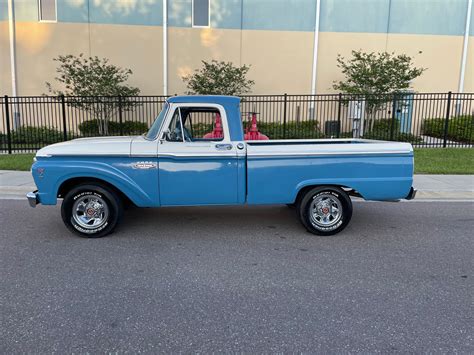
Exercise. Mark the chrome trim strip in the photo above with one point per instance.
(148, 155)
(104, 155)
(249, 154)
(287, 155)
(86, 155)
(201, 156)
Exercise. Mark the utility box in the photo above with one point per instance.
(356, 112)
(404, 111)
(332, 128)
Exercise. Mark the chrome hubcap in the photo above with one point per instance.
(90, 212)
(325, 210)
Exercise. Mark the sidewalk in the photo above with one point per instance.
(15, 184)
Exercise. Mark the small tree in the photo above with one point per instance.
(375, 75)
(219, 78)
(84, 77)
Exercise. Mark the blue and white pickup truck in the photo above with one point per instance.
(172, 166)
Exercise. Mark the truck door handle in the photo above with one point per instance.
(223, 146)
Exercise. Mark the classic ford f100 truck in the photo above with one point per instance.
(175, 164)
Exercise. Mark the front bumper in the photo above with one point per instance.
(411, 195)
(32, 198)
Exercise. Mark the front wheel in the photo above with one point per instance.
(325, 210)
(91, 211)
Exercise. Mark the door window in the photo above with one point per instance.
(196, 124)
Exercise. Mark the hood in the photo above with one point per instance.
(89, 146)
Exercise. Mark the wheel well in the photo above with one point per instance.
(350, 191)
(68, 185)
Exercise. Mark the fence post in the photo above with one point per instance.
(63, 112)
(339, 115)
(284, 115)
(394, 106)
(7, 117)
(120, 114)
(446, 123)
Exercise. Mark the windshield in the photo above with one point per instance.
(155, 127)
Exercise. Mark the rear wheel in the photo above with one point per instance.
(91, 211)
(325, 210)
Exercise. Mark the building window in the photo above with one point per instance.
(201, 13)
(47, 10)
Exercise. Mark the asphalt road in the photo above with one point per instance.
(400, 278)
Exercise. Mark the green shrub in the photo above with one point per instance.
(200, 129)
(386, 125)
(133, 127)
(397, 136)
(36, 135)
(460, 129)
(294, 130)
(382, 130)
(91, 128)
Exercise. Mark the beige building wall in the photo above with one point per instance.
(136, 47)
(281, 61)
(37, 44)
(469, 77)
(333, 43)
(440, 55)
(139, 48)
(5, 70)
(187, 47)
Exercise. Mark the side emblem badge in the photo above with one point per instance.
(145, 165)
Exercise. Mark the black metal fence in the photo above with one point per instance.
(426, 120)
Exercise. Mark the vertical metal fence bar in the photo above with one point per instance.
(284, 115)
(7, 119)
(63, 112)
(446, 123)
(120, 114)
(392, 126)
(339, 108)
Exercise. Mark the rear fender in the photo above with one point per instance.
(381, 189)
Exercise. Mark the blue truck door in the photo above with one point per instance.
(194, 170)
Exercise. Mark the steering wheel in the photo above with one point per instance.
(176, 136)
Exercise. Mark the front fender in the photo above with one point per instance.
(140, 186)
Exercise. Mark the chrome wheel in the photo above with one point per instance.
(90, 212)
(325, 210)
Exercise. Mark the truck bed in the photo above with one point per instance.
(377, 170)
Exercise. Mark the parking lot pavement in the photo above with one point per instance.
(399, 278)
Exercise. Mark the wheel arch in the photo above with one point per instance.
(304, 189)
(68, 184)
